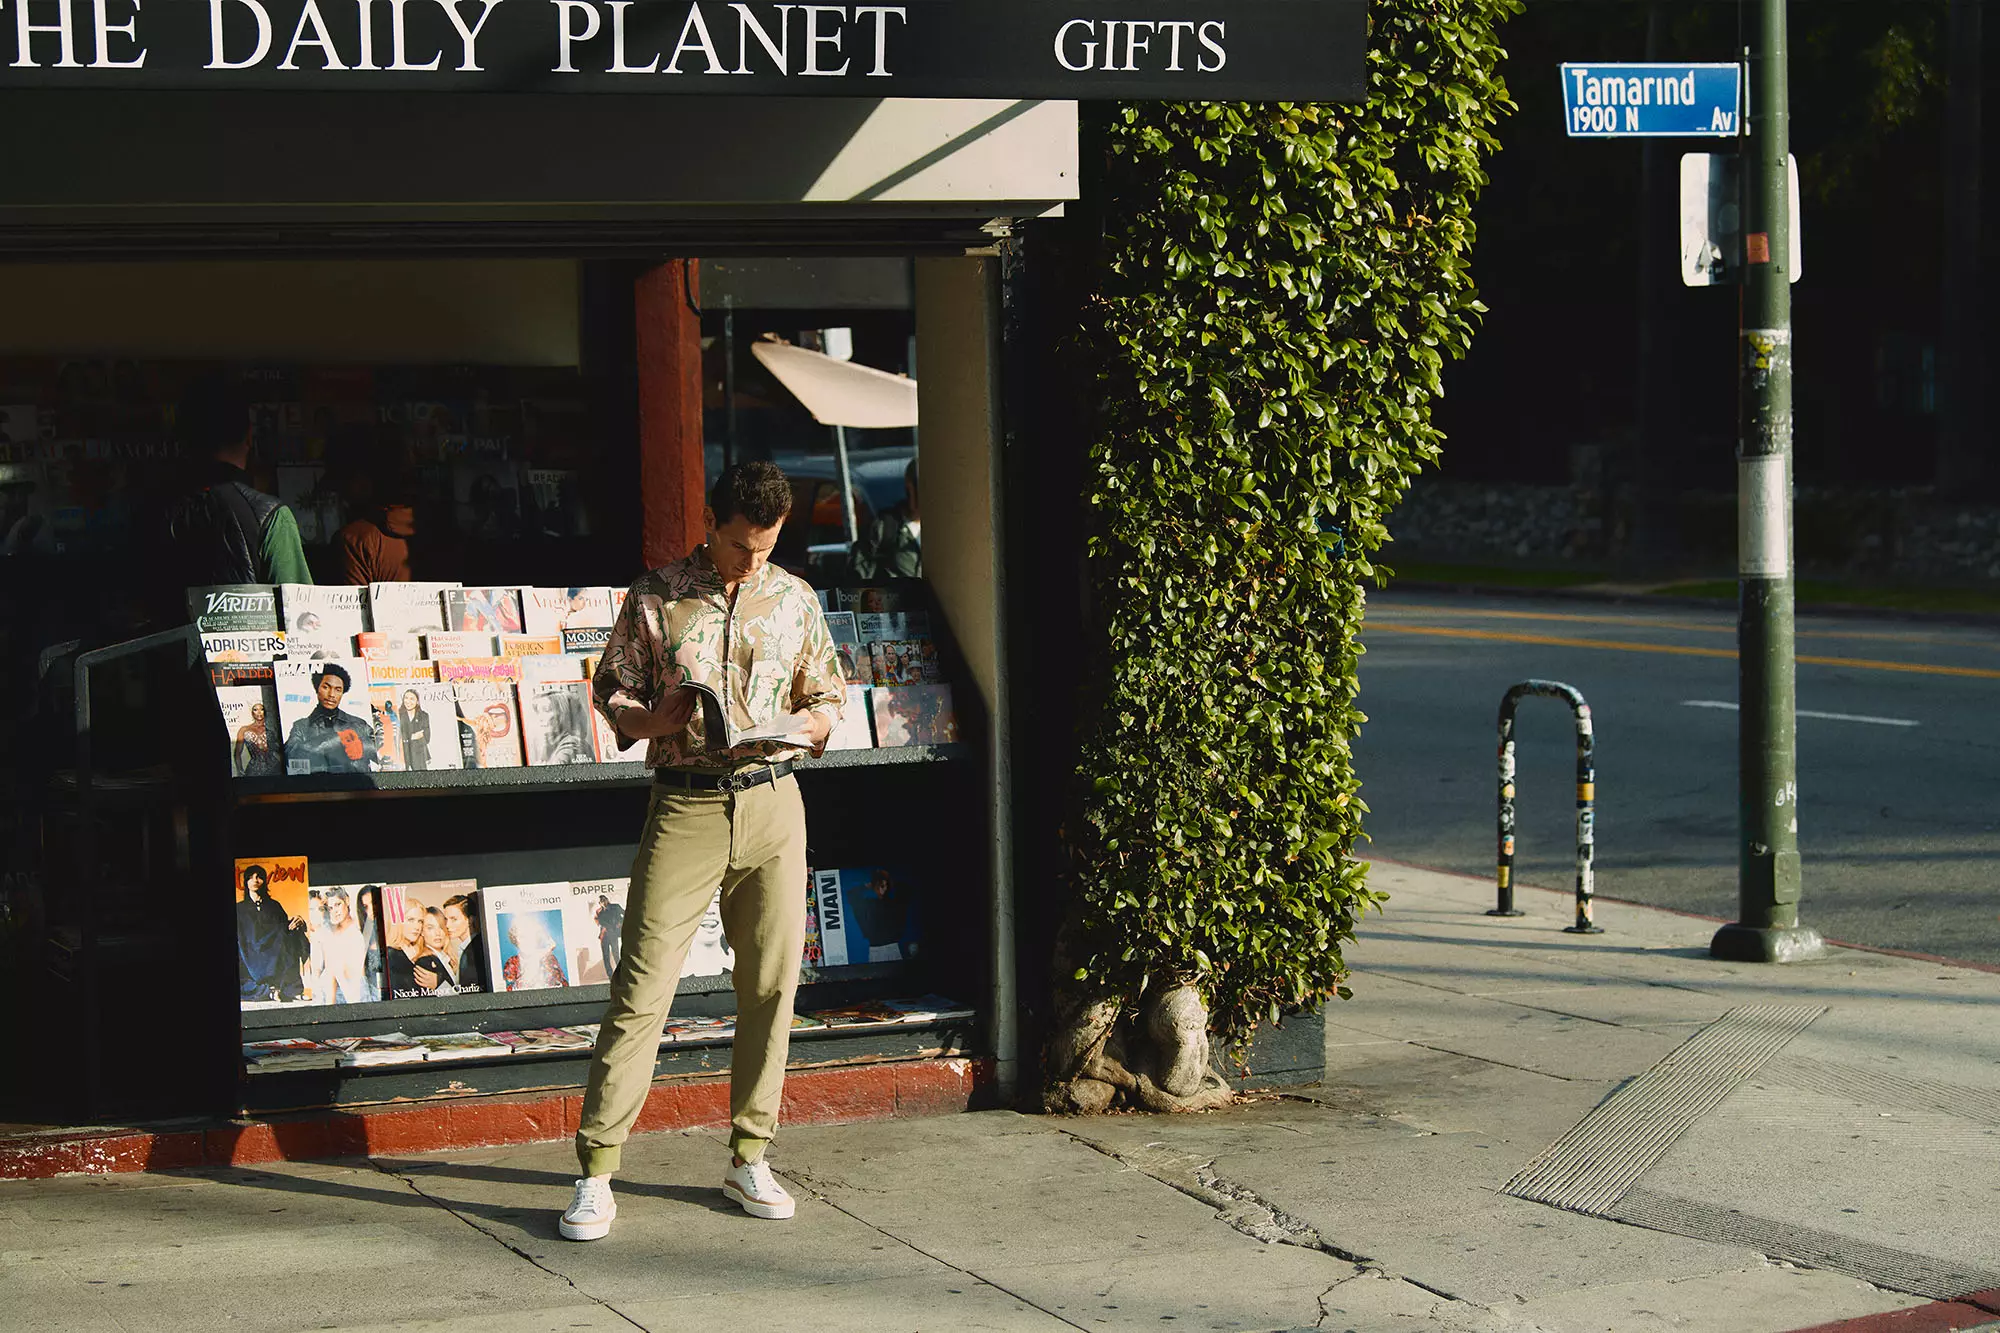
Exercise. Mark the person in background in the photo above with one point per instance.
(893, 546)
(217, 527)
(375, 547)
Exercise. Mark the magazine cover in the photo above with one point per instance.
(589, 641)
(452, 670)
(553, 610)
(854, 664)
(542, 1041)
(853, 731)
(873, 601)
(525, 936)
(815, 950)
(271, 948)
(458, 643)
(866, 915)
(693, 1029)
(904, 662)
(541, 668)
(427, 729)
(328, 724)
(530, 645)
(408, 608)
(709, 954)
(611, 747)
(325, 610)
(249, 645)
(483, 610)
(233, 606)
(260, 1057)
(344, 943)
(489, 724)
(461, 1046)
(874, 627)
(391, 1048)
(247, 694)
(555, 722)
(387, 682)
(432, 942)
(377, 646)
(912, 715)
(594, 923)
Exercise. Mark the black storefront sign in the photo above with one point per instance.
(1308, 50)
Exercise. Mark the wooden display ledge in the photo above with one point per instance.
(868, 1090)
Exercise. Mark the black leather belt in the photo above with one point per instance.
(689, 779)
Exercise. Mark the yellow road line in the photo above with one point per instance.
(1644, 622)
(1676, 649)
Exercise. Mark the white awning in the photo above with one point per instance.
(841, 393)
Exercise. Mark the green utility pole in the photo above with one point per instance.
(1767, 928)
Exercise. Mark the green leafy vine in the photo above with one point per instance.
(1279, 288)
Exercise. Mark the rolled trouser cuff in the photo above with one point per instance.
(746, 1147)
(600, 1160)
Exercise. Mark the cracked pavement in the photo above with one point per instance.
(1370, 1203)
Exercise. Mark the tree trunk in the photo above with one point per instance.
(1157, 1059)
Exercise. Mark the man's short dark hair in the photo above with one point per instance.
(759, 492)
(213, 415)
(334, 669)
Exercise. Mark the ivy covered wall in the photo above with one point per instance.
(1274, 293)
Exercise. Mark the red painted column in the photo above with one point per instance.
(671, 489)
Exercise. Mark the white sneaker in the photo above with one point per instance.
(754, 1187)
(589, 1214)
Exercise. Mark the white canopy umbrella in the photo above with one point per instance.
(841, 394)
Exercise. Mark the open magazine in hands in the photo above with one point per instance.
(789, 730)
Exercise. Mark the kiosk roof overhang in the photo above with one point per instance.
(104, 173)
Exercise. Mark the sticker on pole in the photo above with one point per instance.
(1652, 101)
(1763, 517)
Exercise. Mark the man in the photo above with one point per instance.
(330, 739)
(221, 529)
(752, 637)
(610, 918)
(893, 546)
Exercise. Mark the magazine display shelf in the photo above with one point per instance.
(916, 806)
(570, 777)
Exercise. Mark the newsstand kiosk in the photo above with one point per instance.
(524, 248)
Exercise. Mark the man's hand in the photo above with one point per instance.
(667, 717)
(818, 726)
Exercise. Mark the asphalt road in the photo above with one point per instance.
(1899, 808)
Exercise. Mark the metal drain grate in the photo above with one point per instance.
(1898, 1270)
(1590, 1168)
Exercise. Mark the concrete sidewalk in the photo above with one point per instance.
(1824, 1144)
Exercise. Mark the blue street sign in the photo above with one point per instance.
(1652, 101)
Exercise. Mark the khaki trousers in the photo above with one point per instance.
(753, 844)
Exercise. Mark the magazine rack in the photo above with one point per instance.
(916, 807)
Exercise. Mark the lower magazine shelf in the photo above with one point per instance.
(355, 1086)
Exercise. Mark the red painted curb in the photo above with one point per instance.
(881, 1091)
(1982, 1307)
(1936, 958)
